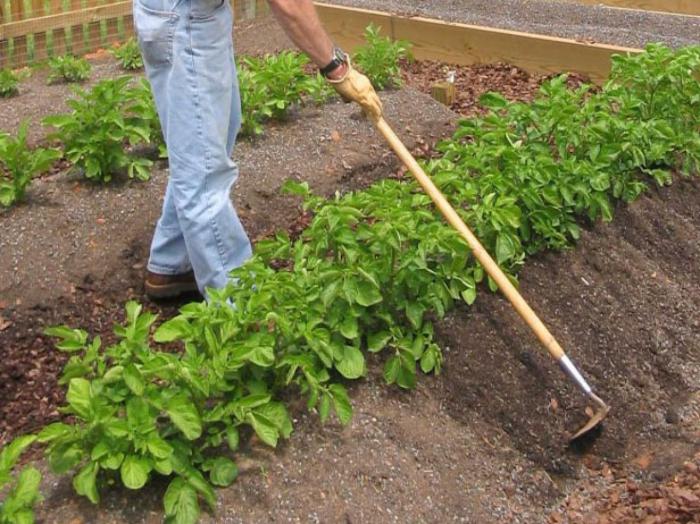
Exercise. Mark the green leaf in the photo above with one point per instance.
(177, 328)
(24, 516)
(64, 458)
(223, 472)
(164, 466)
(53, 432)
(11, 453)
(352, 365)
(278, 415)
(505, 248)
(185, 416)
(112, 461)
(158, 447)
(79, 397)
(368, 294)
(24, 494)
(134, 379)
(134, 472)
(349, 327)
(378, 341)
(406, 377)
(493, 101)
(197, 481)
(391, 369)
(414, 312)
(85, 482)
(71, 339)
(324, 407)
(341, 403)
(232, 438)
(361, 291)
(264, 429)
(469, 295)
(180, 502)
(427, 361)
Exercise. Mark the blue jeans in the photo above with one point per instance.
(187, 47)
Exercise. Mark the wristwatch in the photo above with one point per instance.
(339, 58)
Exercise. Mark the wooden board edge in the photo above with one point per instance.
(465, 44)
(663, 7)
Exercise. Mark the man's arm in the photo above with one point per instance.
(300, 21)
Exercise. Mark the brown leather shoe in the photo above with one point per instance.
(169, 286)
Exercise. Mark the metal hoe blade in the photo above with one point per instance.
(601, 412)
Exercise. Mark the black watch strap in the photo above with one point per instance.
(339, 58)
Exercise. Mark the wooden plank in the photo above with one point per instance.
(347, 25)
(66, 19)
(467, 44)
(679, 7)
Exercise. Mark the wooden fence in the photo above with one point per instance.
(32, 30)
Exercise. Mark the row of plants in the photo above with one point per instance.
(100, 137)
(272, 84)
(370, 276)
(72, 69)
(109, 124)
(62, 69)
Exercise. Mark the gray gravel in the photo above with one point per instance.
(552, 17)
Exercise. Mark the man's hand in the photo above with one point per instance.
(356, 87)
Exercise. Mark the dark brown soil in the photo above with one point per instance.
(629, 501)
(626, 304)
(473, 81)
(483, 442)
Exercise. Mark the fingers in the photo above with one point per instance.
(357, 87)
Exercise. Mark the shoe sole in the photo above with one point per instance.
(169, 290)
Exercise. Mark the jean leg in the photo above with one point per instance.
(156, 23)
(168, 249)
(203, 121)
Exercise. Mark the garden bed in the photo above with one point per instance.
(482, 442)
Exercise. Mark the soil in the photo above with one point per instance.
(484, 441)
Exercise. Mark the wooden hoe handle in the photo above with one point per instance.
(488, 263)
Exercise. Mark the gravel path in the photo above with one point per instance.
(552, 17)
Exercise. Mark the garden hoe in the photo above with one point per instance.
(505, 285)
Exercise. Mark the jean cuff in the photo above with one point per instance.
(163, 270)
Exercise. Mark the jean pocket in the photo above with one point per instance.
(206, 9)
(154, 30)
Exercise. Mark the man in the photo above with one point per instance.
(187, 48)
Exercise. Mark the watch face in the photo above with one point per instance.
(340, 55)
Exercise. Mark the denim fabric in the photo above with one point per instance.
(187, 47)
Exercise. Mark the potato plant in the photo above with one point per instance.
(22, 492)
(380, 57)
(128, 55)
(271, 85)
(8, 83)
(68, 69)
(19, 164)
(104, 121)
(370, 275)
